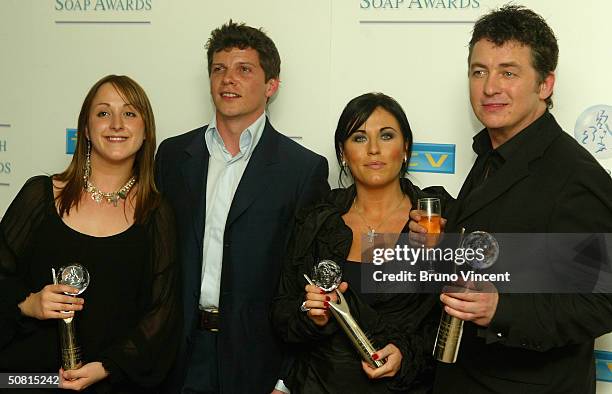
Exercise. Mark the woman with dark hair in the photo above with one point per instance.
(373, 142)
(104, 213)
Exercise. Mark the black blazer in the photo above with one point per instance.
(280, 178)
(536, 343)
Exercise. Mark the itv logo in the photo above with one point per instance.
(603, 365)
(71, 139)
(427, 157)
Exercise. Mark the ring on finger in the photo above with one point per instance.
(303, 307)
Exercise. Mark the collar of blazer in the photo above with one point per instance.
(253, 182)
(542, 133)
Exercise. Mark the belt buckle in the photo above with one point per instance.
(214, 311)
(203, 315)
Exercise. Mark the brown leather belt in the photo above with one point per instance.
(209, 320)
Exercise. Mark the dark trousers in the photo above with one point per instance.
(202, 369)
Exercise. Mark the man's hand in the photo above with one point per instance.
(418, 234)
(477, 307)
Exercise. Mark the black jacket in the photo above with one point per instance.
(536, 343)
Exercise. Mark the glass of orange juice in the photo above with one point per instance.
(431, 212)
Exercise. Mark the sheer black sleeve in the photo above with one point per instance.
(290, 323)
(318, 233)
(23, 216)
(145, 355)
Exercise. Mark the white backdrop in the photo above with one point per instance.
(52, 51)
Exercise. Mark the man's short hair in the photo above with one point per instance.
(520, 24)
(239, 35)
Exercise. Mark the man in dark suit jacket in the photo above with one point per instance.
(235, 185)
(529, 177)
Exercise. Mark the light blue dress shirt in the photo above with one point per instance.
(224, 174)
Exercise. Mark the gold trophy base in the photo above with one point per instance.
(448, 339)
(71, 351)
(71, 359)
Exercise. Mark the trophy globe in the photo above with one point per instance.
(489, 246)
(74, 275)
(327, 274)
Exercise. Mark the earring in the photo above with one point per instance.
(343, 163)
(87, 163)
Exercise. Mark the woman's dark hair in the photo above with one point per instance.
(357, 111)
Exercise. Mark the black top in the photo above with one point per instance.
(130, 318)
(326, 361)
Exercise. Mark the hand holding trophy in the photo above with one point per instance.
(450, 330)
(74, 275)
(327, 275)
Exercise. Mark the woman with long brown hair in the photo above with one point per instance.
(104, 213)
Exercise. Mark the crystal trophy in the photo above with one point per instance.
(450, 330)
(74, 275)
(327, 275)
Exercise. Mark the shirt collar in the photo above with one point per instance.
(482, 141)
(249, 139)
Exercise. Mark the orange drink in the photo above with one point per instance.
(431, 223)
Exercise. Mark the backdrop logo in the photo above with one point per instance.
(71, 138)
(103, 5)
(432, 158)
(5, 166)
(419, 4)
(593, 130)
(603, 365)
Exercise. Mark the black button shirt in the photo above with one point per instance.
(490, 160)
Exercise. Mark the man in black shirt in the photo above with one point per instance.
(529, 177)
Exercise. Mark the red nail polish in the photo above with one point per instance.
(326, 304)
(375, 357)
(322, 291)
(327, 298)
